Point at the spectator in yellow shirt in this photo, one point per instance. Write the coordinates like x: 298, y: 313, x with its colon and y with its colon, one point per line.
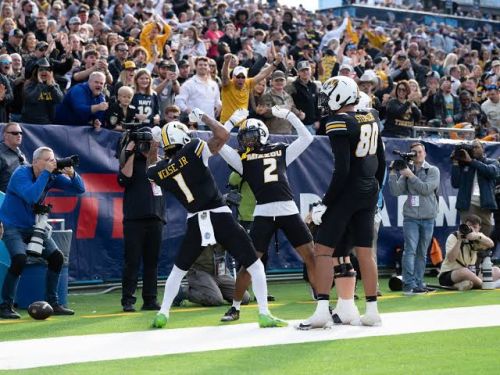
x: 152, y: 39
x: 236, y: 90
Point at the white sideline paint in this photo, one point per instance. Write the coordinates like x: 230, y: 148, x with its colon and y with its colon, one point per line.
x: 77, y: 349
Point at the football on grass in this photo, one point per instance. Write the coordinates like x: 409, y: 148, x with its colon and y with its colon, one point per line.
x: 40, y: 310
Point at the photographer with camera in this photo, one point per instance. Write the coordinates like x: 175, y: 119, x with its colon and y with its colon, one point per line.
x: 474, y: 176
x: 25, y: 219
x: 462, y: 247
x: 419, y: 181
x: 143, y: 219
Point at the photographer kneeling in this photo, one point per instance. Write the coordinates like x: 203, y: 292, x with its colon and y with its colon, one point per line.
x: 25, y: 220
x: 462, y: 246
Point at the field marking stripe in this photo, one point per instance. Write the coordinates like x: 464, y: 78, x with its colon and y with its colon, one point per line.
x: 88, y: 348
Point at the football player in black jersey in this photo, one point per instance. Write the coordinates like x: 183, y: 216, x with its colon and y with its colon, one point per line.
x: 348, y: 206
x: 184, y: 172
x: 263, y: 165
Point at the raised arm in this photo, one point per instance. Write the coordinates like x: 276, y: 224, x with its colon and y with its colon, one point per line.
x: 219, y: 134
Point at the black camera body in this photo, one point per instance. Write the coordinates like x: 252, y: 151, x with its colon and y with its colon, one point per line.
x: 406, y: 160
x: 42, y: 209
x: 464, y: 230
x: 461, y: 149
x: 70, y: 161
x: 138, y: 133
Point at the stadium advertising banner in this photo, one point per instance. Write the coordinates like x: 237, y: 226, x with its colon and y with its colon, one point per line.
x: 96, y: 217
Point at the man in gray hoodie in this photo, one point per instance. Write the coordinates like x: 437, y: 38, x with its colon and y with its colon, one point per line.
x: 420, y: 184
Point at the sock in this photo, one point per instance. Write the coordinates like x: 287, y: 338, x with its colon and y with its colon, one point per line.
x: 371, y: 298
x: 259, y: 285
x: 345, y: 304
x: 237, y: 305
x: 323, y: 306
x: 322, y: 297
x: 171, y: 289
x: 371, y: 308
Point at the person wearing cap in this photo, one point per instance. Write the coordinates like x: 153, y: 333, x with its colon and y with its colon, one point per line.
x: 41, y: 94
x: 401, y: 68
x: 491, y: 107
x: 236, y: 90
x: 6, y: 93
x: 13, y: 45
x: 430, y: 91
x: 200, y: 91
x: 213, y: 34
x: 184, y: 71
x: 277, y: 96
x: 74, y: 24
x: 367, y: 82
x: 304, y: 92
x: 83, y: 13
x: 154, y: 36
x: 166, y: 84
x: 121, y: 55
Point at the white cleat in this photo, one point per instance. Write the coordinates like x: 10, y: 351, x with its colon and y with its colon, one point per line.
x: 371, y: 319
x: 317, y: 320
x: 348, y: 316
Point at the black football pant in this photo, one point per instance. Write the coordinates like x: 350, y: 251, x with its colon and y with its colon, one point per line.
x: 142, y: 239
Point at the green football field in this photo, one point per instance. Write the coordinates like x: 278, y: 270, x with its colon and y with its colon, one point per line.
x: 463, y: 351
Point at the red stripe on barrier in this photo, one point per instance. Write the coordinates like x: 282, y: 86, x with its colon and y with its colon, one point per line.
x: 62, y: 205
x: 87, y: 220
x: 117, y: 218
x: 101, y: 183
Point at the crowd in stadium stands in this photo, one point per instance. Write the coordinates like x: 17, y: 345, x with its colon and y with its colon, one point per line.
x: 178, y: 55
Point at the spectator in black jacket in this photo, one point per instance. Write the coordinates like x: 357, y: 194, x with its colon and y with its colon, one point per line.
x: 6, y: 95
x: 402, y: 114
x: 116, y: 65
x: 121, y: 111
x: 305, y: 96
x: 41, y: 95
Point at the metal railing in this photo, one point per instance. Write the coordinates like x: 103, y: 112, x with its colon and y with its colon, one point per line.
x: 467, y: 134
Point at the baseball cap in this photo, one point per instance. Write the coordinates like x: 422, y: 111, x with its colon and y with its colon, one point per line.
x: 83, y: 9
x: 212, y: 20
x: 75, y: 20
x: 42, y: 45
x: 492, y: 87
x: 183, y: 63
x: 346, y: 66
x: 240, y: 70
x: 148, y: 10
x: 433, y: 74
x: 129, y: 64
x: 304, y: 64
x: 16, y: 32
x: 379, y: 29
x: 278, y: 74
x: 495, y: 63
x: 368, y: 76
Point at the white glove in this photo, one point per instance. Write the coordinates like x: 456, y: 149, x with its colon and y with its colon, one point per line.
x: 238, y: 116
x: 280, y: 112
x: 156, y: 134
x: 317, y: 213
x: 196, y: 115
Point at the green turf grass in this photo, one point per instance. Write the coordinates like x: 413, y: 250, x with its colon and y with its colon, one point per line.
x: 102, y: 313
x: 466, y: 351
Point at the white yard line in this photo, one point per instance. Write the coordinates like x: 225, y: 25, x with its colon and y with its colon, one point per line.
x: 77, y: 349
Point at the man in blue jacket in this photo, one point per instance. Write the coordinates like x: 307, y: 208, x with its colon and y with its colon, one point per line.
x: 84, y: 104
x: 474, y: 176
x: 26, y: 193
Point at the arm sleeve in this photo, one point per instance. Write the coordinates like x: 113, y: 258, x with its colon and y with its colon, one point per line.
x: 232, y: 158
x: 428, y: 187
x: 397, y: 186
x: 304, y: 139
x: 22, y: 185
x: 340, y: 148
x: 74, y: 184
x: 456, y: 171
x: 489, y: 170
x: 396, y: 109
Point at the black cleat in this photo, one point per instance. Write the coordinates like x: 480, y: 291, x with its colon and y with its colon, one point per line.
x: 151, y: 306
x: 129, y: 307
x: 8, y: 312
x: 61, y: 310
x: 231, y: 315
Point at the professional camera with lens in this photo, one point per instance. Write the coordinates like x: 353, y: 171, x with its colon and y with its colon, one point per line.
x: 70, y: 161
x: 461, y: 150
x: 464, y: 230
x: 406, y: 160
x: 138, y: 133
x: 42, y: 229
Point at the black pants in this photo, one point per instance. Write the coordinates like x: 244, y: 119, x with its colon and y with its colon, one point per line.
x: 142, y: 239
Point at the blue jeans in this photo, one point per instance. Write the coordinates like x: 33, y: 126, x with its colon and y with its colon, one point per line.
x: 417, y: 236
x: 16, y: 240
